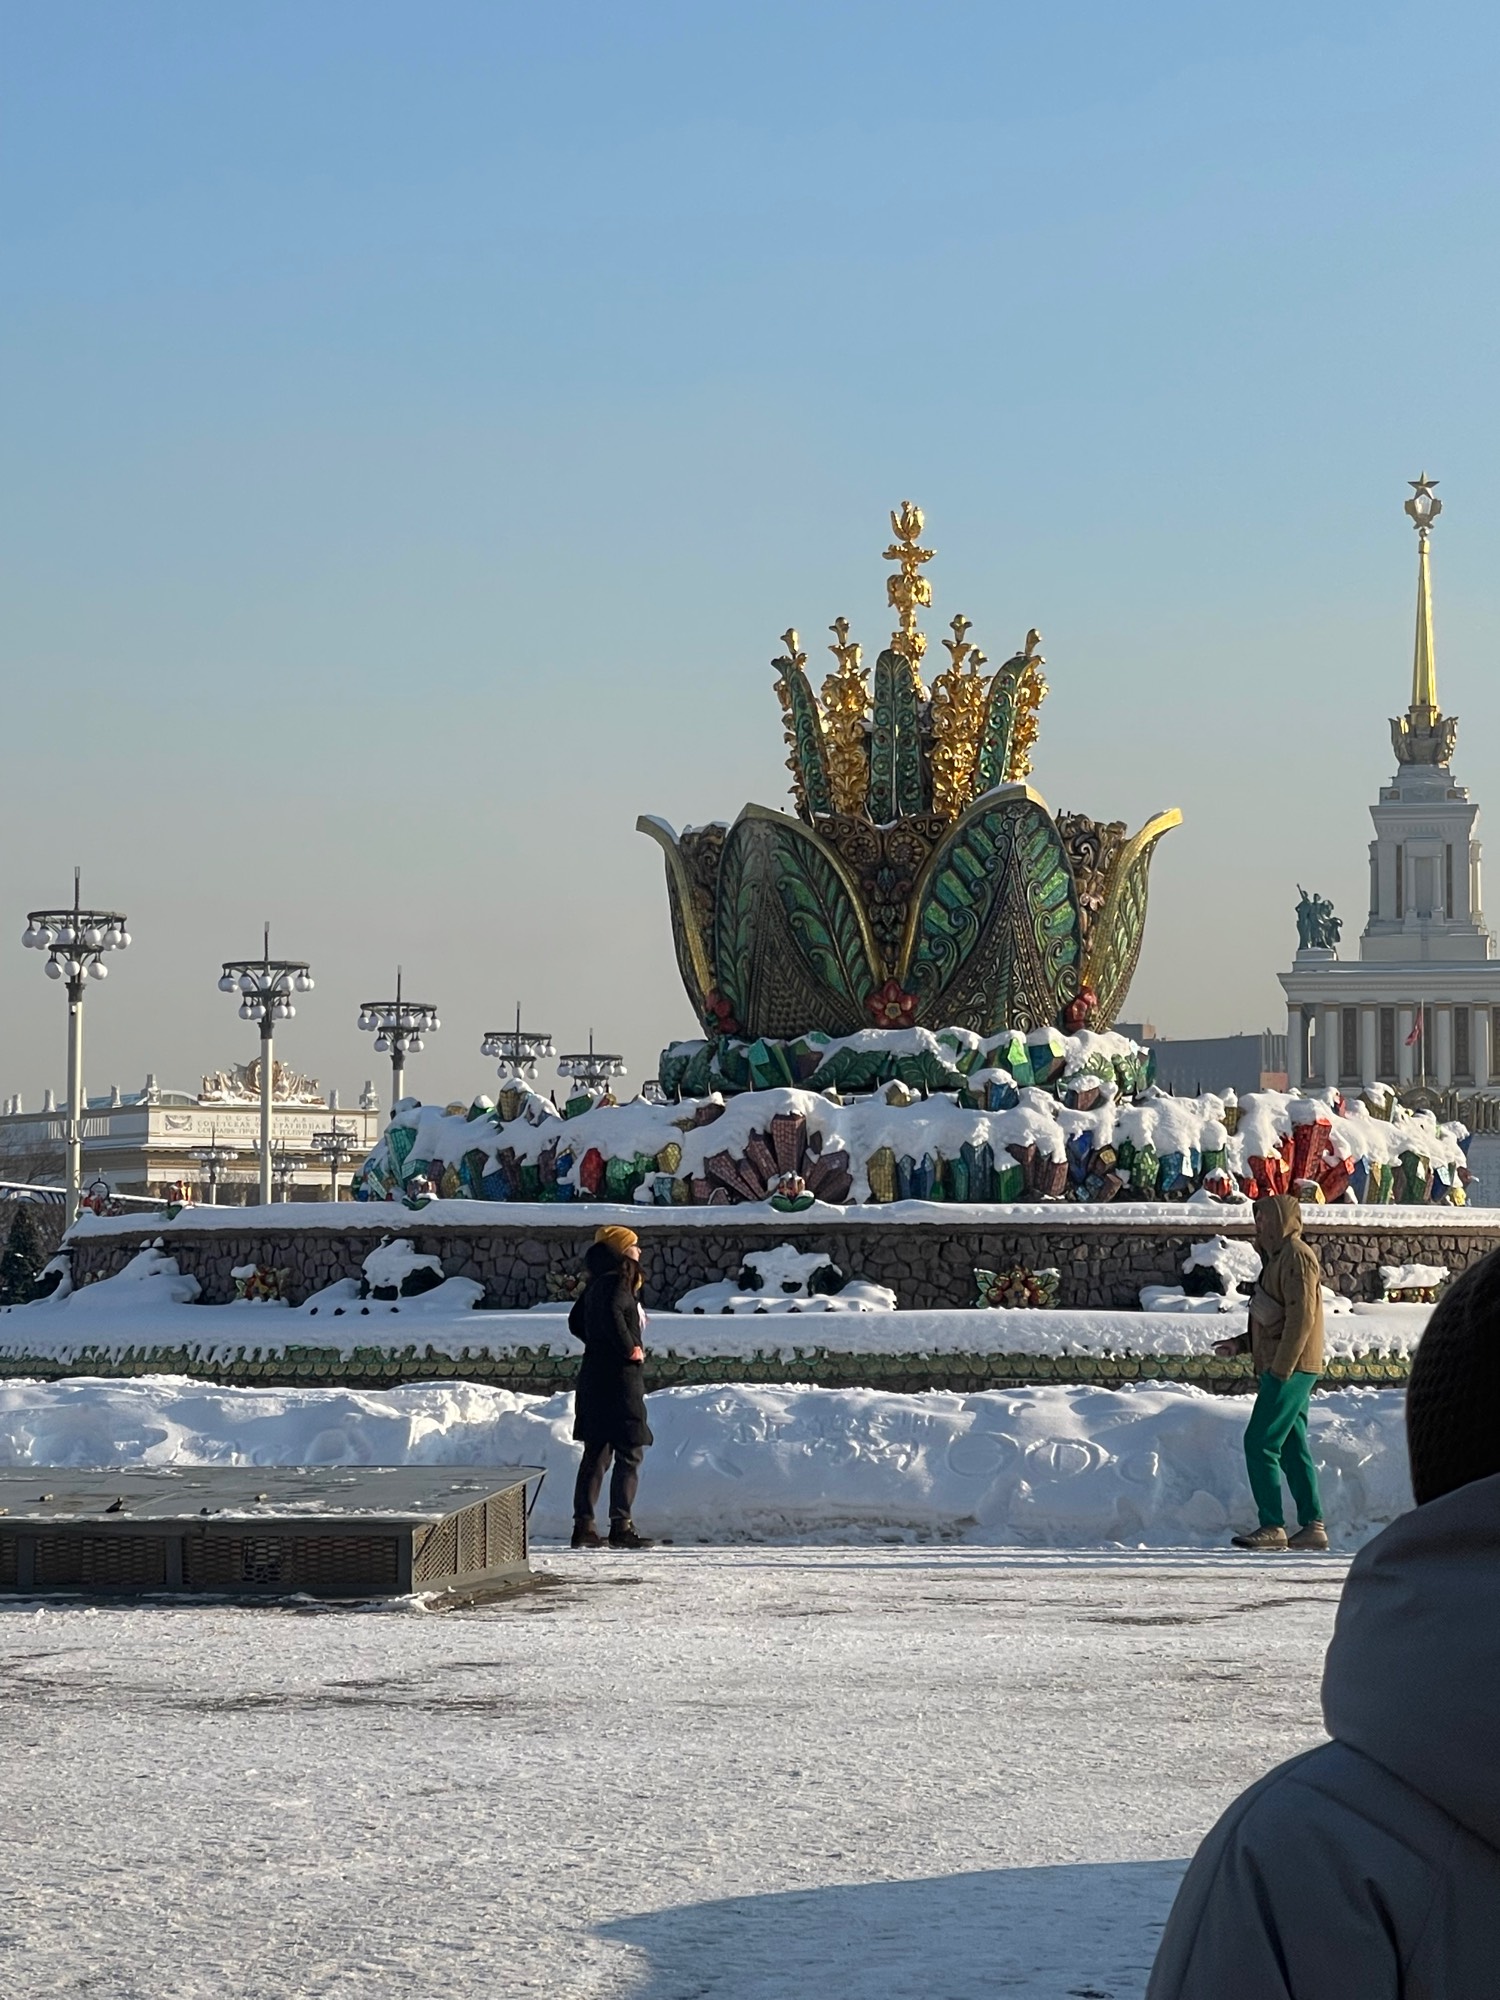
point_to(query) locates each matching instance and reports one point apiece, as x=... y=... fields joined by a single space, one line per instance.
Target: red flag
x=1416 y=1030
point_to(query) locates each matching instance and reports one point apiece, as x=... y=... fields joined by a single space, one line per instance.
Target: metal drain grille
x=261 y=1532
x=489 y=1535
x=437 y=1551
x=323 y=1565
x=471 y=1538
x=101 y=1562
x=505 y=1529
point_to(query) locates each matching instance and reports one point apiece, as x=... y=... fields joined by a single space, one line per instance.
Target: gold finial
x=789 y=640
x=908 y=590
x=1424 y=508
x=846 y=708
x=1030 y=692
x=957 y=648
x=846 y=653
x=958 y=705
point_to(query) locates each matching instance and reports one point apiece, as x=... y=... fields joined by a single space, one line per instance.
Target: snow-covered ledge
x=1156 y=1217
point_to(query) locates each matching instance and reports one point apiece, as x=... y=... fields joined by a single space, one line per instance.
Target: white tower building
x=1420 y=1007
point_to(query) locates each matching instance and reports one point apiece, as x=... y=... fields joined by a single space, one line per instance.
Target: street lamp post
x=336 y=1148
x=592 y=1070
x=215 y=1160
x=266 y=986
x=398 y=1027
x=284 y=1165
x=75 y=942
x=518 y=1050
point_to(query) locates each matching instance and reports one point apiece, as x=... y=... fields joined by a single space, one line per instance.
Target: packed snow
x=1233 y=1261
x=787 y=1280
x=1398 y=1280
x=744 y=1774
x=1057 y=1467
x=939 y=1704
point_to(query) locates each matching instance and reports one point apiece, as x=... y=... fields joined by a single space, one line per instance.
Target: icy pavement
x=747 y=1774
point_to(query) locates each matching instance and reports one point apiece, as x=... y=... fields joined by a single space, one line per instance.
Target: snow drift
x=1046 y=1467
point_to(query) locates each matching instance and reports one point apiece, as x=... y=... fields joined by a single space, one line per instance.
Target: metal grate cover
x=505 y=1530
x=322 y=1565
x=100 y=1562
x=259 y=1532
x=437 y=1552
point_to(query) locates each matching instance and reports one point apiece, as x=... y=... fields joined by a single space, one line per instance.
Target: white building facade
x=195 y=1147
x=1419 y=1008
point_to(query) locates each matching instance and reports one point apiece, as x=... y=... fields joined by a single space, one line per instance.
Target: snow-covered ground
x=751 y=1774
x=922 y=1763
x=1045 y=1467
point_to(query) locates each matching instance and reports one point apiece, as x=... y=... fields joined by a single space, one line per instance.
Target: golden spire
x=846 y=705
x=1030 y=694
x=958 y=703
x=1424 y=735
x=1424 y=508
x=908 y=589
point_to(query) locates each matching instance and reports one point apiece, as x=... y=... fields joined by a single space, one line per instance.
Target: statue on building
x=1318 y=929
x=241 y=1085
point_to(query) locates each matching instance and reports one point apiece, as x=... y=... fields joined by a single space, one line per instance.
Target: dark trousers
x=622 y=1486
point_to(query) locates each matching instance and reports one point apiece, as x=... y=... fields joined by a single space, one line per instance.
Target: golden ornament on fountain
x=846 y=711
x=908 y=591
x=958 y=704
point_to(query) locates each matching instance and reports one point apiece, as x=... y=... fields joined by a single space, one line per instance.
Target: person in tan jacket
x=1286 y=1349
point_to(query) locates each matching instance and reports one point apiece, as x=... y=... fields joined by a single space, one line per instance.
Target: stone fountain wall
x=927 y=1263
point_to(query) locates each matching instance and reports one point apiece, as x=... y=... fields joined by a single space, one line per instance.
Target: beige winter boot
x=1313 y=1536
x=1263 y=1541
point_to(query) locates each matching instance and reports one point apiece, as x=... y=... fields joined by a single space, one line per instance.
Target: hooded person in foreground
x=609 y=1398
x=1369 y=1869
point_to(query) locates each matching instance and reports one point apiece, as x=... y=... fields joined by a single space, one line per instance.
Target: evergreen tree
x=23 y=1257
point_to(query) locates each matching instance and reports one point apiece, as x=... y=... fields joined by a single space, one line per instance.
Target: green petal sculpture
x=923 y=883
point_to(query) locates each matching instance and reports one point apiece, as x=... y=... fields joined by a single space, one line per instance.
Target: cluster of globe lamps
x=76 y=941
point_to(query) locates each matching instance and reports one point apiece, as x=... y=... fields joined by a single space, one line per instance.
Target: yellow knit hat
x=618 y=1237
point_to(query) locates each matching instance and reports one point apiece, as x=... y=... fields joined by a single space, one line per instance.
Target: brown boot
x=1263 y=1541
x=1313 y=1536
x=622 y=1535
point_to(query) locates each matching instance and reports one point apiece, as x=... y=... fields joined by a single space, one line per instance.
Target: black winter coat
x=609 y=1399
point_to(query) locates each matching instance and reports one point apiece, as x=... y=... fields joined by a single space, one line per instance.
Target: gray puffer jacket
x=1369 y=1869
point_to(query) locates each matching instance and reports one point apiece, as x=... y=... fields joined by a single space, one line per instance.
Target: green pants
x=1276 y=1443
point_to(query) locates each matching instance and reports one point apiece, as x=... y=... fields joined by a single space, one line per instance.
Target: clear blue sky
x=421 y=421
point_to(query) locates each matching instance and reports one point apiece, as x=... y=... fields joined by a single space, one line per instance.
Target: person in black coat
x=609 y=1399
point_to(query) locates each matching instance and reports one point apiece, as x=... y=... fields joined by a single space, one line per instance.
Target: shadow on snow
x=1086 y=1930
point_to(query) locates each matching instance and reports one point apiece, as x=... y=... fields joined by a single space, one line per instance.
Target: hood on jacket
x=1277 y=1216
x=1412 y=1672
x=600 y=1260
